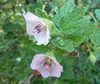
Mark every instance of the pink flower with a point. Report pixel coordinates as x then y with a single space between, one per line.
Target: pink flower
46 65
36 27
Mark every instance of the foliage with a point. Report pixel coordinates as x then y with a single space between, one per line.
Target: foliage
75 40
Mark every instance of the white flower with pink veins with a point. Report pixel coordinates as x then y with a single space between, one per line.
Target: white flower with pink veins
46 65
36 27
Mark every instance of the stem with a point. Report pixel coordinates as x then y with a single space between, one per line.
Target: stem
28 79
50 81
92 16
34 79
19 49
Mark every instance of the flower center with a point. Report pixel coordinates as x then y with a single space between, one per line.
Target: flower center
37 29
47 65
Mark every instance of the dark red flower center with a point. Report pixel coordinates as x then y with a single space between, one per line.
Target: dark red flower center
37 29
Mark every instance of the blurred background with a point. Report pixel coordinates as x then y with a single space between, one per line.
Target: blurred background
17 48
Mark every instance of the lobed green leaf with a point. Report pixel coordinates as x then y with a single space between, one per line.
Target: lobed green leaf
95 37
97 11
64 10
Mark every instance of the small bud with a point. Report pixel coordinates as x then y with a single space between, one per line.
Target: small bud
92 58
36 72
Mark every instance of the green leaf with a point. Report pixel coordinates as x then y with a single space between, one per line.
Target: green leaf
83 80
10 27
76 39
76 26
42 14
78 31
68 72
76 23
38 49
95 38
50 53
75 15
53 30
32 6
97 11
72 27
64 10
64 44
58 82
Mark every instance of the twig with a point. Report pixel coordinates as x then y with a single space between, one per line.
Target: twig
50 80
19 49
34 79
92 16
28 79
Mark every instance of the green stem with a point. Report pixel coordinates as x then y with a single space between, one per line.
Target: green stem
50 81
34 79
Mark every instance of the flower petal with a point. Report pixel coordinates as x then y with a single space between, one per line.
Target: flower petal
31 22
56 71
55 61
44 72
30 27
37 60
40 37
47 35
30 17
